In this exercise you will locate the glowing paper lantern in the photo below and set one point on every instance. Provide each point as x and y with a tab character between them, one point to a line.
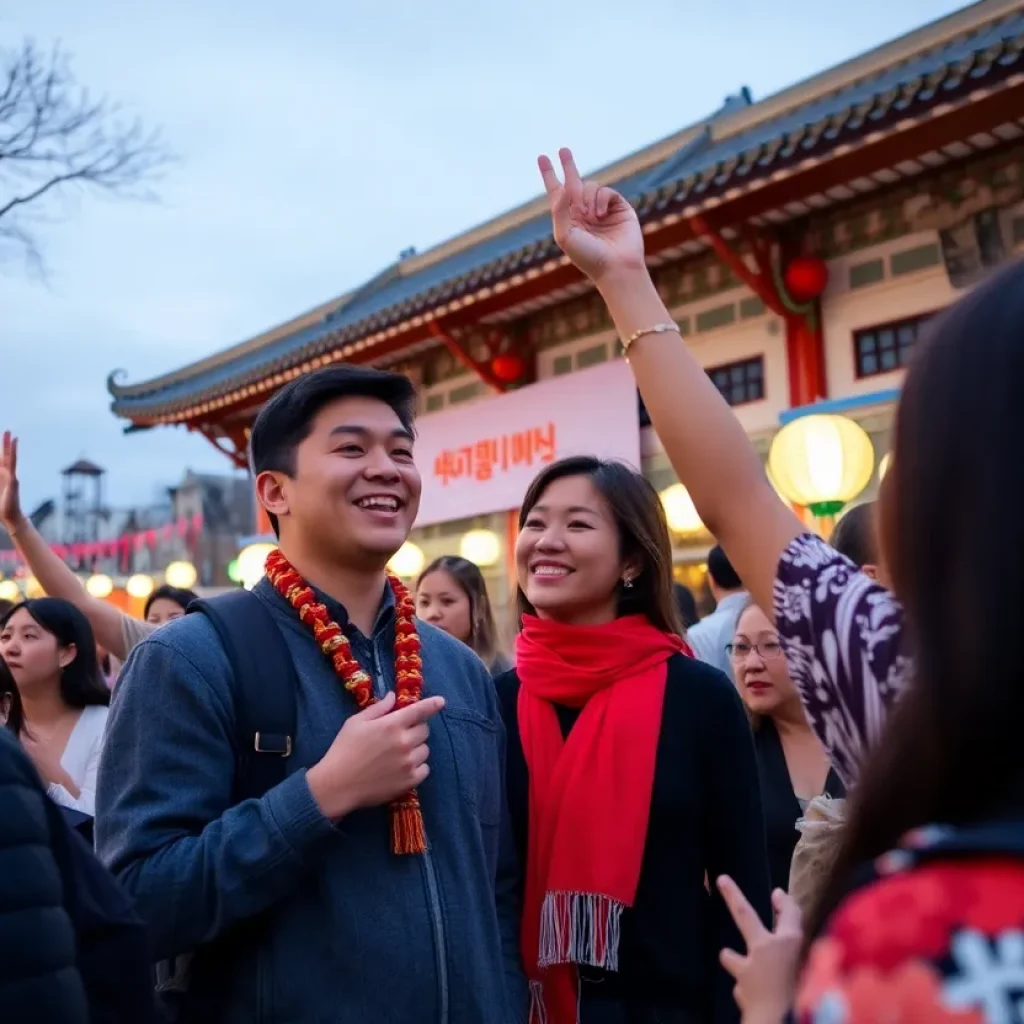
9	591
407	561
140	585
99	585
233	572
181	574
679	510
33	588
821	462
481	547
251	563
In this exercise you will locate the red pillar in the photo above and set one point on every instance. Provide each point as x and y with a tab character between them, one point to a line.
805	358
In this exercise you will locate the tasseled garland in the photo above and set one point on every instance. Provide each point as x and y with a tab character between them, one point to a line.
580	928
408	834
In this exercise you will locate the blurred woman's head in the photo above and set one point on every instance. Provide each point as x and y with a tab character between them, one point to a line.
593	545
949	753
452	595
48	645
759	665
167	603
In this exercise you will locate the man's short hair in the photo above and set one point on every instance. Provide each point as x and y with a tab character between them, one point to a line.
721	571
854	535
287	419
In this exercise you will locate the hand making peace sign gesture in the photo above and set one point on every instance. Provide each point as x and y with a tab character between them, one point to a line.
594	226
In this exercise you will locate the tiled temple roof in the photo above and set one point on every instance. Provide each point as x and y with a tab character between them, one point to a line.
740	143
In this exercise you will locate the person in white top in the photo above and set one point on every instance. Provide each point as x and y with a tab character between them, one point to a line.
713	634
49	648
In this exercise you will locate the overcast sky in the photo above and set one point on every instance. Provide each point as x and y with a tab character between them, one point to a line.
319	139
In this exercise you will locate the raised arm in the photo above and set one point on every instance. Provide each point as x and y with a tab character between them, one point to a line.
53	575
599	231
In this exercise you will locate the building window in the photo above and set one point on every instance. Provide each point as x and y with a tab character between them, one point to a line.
887	347
740	382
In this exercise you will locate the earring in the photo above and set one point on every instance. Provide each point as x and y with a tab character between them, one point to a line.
627	582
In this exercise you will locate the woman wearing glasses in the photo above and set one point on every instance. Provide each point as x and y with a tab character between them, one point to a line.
793	765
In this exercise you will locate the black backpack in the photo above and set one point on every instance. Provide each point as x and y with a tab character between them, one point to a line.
263	693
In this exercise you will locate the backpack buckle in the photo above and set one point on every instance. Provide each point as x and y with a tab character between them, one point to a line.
273	743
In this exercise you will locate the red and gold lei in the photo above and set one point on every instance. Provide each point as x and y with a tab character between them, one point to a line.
407	830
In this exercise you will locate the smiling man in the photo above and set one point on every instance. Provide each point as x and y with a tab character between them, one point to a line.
376	880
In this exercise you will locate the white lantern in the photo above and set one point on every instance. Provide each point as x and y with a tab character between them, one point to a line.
9	591
407	561
680	511
181	574
99	585
821	462
140	586
481	547
251	563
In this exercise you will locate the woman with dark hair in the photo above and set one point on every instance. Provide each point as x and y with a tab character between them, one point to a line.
49	648
631	772
115	631
949	753
451	594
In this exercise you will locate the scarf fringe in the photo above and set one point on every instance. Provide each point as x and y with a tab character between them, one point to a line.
538	1011
580	928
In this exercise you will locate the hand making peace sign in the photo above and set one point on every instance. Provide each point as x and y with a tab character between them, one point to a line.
766	975
594	226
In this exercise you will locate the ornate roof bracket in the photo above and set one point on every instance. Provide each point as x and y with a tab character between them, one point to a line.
762	281
233	446
482	370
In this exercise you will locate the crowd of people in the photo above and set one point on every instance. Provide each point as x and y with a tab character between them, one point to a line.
339	798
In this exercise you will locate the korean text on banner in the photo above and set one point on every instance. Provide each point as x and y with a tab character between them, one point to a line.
480	458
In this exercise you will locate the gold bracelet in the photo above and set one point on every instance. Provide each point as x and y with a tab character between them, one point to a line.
656	329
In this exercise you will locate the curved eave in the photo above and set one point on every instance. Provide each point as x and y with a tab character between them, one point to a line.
977	68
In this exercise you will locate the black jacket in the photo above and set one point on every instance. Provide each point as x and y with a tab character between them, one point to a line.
705	820
39	978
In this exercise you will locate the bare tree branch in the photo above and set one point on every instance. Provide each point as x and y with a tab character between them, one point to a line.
54	137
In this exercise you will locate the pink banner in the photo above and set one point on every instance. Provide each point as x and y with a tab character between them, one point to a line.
481	458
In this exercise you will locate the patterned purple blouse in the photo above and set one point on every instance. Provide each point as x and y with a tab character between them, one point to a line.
841	632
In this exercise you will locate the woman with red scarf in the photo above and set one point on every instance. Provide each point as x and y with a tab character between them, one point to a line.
631	769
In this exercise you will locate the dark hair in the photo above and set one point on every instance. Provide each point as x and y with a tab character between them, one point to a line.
950	751
643	535
287	419
9	688
179	595
721	571
854	535
483	634
686	604
5	606
81	684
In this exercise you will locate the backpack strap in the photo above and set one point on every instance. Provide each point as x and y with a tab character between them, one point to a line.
264	686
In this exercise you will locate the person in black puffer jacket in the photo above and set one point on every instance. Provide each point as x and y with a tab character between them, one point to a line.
39	977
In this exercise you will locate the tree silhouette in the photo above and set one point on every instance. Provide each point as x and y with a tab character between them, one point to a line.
56	139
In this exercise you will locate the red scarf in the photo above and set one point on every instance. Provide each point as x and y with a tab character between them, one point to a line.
589	796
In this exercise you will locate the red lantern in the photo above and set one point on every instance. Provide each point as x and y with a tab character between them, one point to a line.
507	367
806	278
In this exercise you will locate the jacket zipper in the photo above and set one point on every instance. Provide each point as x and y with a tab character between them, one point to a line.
430	873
